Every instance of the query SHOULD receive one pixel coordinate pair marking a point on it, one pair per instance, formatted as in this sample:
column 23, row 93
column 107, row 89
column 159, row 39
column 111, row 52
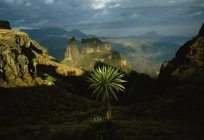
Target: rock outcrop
column 72, row 52
column 201, row 32
column 188, row 64
column 5, row 25
column 23, row 62
column 94, row 45
column 94, row 52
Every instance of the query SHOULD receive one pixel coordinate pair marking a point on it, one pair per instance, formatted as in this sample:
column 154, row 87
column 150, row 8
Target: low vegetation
column 67, row 110
column 106, row 82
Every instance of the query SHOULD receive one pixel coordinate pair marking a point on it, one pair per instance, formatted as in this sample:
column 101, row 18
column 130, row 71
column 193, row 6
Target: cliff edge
column 188, row 64
column 23, row 62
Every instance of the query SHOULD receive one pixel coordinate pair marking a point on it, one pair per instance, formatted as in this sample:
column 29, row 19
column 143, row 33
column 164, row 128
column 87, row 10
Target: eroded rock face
column 188, row 64
column 23, row 62
column 72, row 52
column 94, row 52
column 5, row 25
column 14, row 64
column 94, row 45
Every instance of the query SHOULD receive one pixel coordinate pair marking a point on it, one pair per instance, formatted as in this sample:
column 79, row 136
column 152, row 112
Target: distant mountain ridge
column 153, row 35
column 55, row 39
column 77, row 33
column 145, row 52
column 40, row 33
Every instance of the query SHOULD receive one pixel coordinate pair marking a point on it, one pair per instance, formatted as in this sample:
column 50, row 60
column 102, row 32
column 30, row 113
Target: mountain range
column 55, row 39
column 43, row 99
column 153, row 35
column 145, row 52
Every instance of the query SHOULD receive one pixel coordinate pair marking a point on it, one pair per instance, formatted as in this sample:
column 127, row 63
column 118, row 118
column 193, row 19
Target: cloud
column 3, row 5
column 98, row 5
column 49, row 1
column 195, row 14
column 102, row 14
column 115, row 5
column 102, row 4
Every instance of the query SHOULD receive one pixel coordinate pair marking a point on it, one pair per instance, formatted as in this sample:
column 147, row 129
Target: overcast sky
column 107, row 17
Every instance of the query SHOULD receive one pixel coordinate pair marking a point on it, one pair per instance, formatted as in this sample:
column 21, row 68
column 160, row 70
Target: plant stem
column 108, row 111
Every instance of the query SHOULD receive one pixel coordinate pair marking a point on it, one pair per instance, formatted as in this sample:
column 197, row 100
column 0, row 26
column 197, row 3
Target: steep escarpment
column 23, row 62
column 188, row 64
column 72, row 52
column 93, row 52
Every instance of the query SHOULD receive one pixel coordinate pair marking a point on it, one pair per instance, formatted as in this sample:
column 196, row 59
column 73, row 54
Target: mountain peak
column 72, row 52
column 151, row 33
column 201, row 32
column 73, row 40
column 77, row 33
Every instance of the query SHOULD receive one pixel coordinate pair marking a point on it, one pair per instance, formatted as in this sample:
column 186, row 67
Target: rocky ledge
column 23, row 62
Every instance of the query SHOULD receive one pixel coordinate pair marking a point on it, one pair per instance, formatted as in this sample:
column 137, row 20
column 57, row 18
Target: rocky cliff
column 72, row 52
column 93, row 52
column 188, row 64
column 23, row 62
column 94, row 45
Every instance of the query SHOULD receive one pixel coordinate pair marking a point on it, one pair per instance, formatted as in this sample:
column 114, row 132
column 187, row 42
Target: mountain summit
column 77, row 33
column 72, row 52
column 201, row 32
